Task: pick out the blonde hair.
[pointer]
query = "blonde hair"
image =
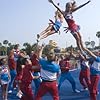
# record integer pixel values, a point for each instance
(58, 14)
(71, 5)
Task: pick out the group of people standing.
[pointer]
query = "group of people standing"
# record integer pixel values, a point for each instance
(47, 73)
(90, 71)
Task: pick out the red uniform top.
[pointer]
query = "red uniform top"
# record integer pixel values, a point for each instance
(64, 65)
(11, 63)
(19, 68)
(27, 78)
(72, 25)
(35, 62)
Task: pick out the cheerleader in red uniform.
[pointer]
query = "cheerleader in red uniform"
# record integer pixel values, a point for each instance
(72, 26)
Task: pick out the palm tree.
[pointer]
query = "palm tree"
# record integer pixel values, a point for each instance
(5, 42)
(9, 44)
(0, 44)
(0, 47)
(92, 44)
(98, 35)
(28, 48)
(2, 50)
(34, 47)
(87, 43)
(25, 44)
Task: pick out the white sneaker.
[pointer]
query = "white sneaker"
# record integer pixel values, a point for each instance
(10, 91)
(15, 88)
(76, 91)
(85, 89)
(19, 94)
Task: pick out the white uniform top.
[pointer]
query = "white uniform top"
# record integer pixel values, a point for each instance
(4, 75)
(47, 75)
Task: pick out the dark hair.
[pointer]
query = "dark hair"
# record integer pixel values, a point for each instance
(24, 61)
(1, 61)
(68, 4)
(19, 63)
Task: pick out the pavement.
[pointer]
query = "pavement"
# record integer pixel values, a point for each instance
(65, 92)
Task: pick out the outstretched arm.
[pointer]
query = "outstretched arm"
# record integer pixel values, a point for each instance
(72, 54)
(56, 13)
(51, 1)
(81, 6)
(39, 51)
(90, 53)
(82, 56)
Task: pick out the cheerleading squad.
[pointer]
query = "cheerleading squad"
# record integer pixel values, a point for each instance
(50, 71)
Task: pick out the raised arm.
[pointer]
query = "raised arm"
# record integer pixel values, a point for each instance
(57, 12)
(82, 56)
(51, 1)
(81, 6)
(90, 53)
(39, 51)
(72, 54)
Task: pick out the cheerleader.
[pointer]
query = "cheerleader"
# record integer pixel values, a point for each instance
(4, 77)
(72, 26)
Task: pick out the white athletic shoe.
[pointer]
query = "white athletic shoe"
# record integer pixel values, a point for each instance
(19, 94)
(76, 91)
(85, 89)
(10, 91)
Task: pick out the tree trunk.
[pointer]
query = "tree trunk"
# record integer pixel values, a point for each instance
(99, 42)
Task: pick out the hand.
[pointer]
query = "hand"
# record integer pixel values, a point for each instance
(73, 1)
(89, 1)
(43, 45)
(58, 4)
(51, 1)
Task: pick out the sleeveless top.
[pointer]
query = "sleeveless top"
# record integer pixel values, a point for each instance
(72, 26)
(69, 19)
(4, 73)
(68, 16)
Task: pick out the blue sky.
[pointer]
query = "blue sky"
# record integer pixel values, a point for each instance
(21, 20)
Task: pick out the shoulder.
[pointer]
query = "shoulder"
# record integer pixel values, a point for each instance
(98, 59)
(63, 12)
(56, 65)
(41, 60)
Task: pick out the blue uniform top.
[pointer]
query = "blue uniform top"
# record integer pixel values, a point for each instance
(4, 74)
(49, 66)
(95, 67)
(84, 65)
(57, 25)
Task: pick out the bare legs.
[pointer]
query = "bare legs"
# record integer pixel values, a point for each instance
(4, 91)
(48, 31)
(78, 38)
